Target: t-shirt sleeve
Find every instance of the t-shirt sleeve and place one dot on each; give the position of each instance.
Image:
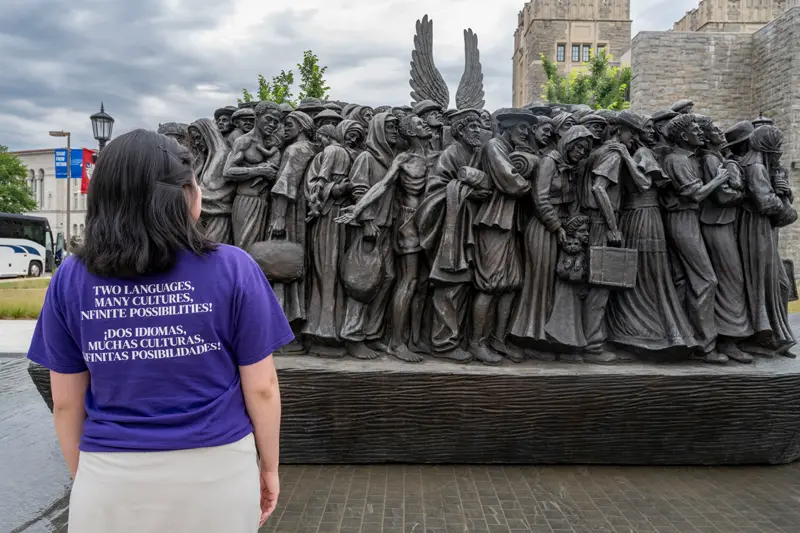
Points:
(260, 327)
(53, 346)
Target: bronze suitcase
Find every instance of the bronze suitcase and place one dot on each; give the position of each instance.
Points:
(612, 267)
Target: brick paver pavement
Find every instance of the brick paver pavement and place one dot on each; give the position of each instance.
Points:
(445, 499)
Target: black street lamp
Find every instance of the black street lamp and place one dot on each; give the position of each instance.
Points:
(102, 124)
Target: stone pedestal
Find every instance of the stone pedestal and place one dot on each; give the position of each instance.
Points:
(348, 411)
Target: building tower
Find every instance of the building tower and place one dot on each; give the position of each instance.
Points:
(732, 16)
(566, 31)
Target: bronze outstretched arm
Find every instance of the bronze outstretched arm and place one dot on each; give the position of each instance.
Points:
(374, 193)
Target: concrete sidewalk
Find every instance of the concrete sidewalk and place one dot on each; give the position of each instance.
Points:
(15, 336)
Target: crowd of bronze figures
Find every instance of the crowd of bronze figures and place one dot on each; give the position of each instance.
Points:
(538, 233)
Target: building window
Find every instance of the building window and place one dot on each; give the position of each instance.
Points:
(576, 53)
(561, 52)
(587, 48)
(601, 49)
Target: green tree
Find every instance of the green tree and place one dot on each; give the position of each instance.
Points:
(312, 77)
(600, 85)
(279, 90)
(15, 195)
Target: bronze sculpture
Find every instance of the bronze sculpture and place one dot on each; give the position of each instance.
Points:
(718, 218)
(550, 232)
(244, 120)
(327, 117)
(211, 150)
(253, 165)
(682, 199)
(611, 167)
(555, 201)
(288, 213)
(365, 316)
(498, 266)
(178, 131)
(445, 221)
(327, 191)
(763, 211)
(223, 117)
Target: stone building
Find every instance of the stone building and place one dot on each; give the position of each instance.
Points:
(732, 15)
(51, 193)
(565, 31)
(731, 77)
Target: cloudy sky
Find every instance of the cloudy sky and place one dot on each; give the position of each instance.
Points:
(154, 61)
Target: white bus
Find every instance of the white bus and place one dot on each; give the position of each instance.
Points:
(26, 246)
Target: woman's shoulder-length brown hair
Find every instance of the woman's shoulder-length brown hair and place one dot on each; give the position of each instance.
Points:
(138, 218)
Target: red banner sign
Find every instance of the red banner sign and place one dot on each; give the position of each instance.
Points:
(87, 167)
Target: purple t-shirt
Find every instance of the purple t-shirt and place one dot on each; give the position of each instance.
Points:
(162, 351)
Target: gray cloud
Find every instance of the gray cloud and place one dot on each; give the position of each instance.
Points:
(157, 60)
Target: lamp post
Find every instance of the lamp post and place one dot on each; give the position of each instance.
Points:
(102, 124)
(68, 135)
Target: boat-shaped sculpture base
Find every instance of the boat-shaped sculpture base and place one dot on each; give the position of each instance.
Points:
(385, 411)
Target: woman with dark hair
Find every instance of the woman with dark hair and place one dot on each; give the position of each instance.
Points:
(763, 213)
(158, 343)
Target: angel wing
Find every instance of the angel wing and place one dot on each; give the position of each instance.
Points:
(470, 90)
(426, 80)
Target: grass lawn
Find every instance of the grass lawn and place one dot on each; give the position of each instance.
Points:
(22, 299)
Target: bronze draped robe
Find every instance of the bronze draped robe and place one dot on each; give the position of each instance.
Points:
(718, 226)
(327, 240)
(765, 277)
(289, 185)
(218, 194)
(366, 322)
(498, 261)
(445, 218)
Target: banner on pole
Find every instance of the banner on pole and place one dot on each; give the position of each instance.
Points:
(81, 162)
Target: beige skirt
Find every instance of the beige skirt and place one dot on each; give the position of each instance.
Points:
(205, 490)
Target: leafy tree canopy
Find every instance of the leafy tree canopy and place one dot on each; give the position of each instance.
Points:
(279, 90)
(15, 194)
(600, 85)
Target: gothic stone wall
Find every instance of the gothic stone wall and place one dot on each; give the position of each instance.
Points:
(618, 36)
(713, 69)
(541, 38)
(730, 76)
